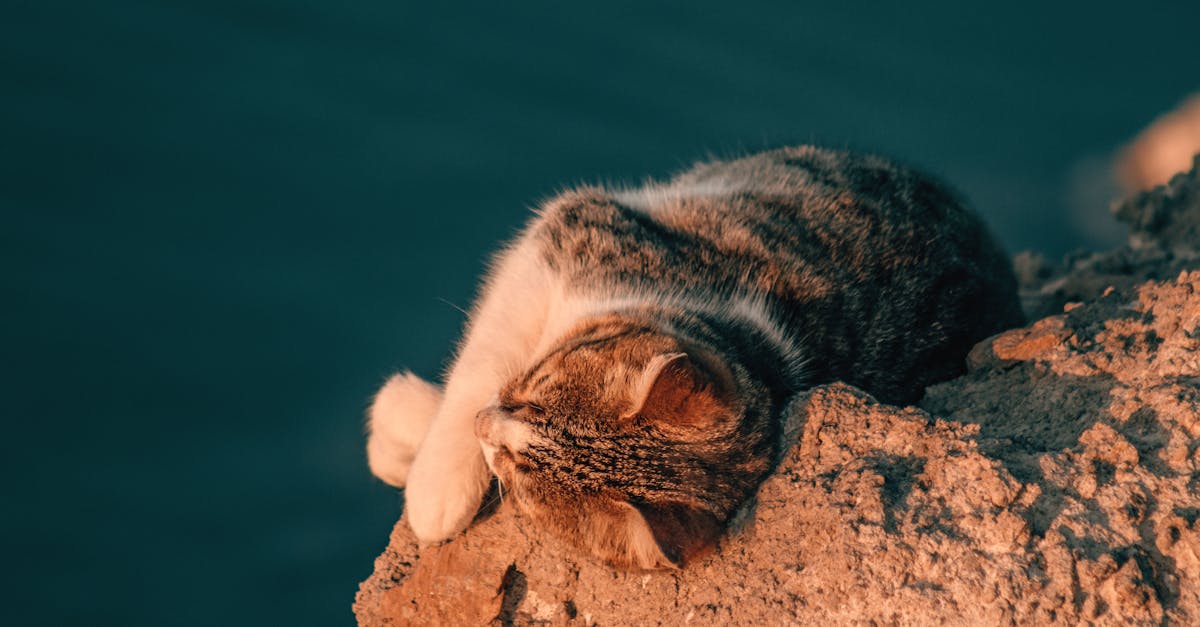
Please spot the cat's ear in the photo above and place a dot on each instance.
(680, 531)
(675, 391)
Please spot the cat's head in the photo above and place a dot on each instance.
(628, 442)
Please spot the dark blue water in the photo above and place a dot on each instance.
(225, 222)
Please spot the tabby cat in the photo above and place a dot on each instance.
(626, 369)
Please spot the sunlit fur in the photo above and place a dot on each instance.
(628, 366)
(622, 414)
(397, 422)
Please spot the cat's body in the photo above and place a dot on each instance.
(626, 369)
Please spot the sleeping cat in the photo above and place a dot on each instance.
(626, 369)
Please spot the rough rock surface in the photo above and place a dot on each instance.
(1058, 481)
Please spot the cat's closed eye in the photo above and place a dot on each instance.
(514, 407)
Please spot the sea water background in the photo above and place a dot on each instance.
(225, 222)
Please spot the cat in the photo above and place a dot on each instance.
(626, 370)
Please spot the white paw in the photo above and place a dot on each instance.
(398, 421)
(445, 488)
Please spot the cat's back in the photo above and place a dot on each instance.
(846, 200)
(791, 222)
(883, 270)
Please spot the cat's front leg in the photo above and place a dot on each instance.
(449, 476)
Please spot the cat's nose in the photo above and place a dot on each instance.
(484, 424)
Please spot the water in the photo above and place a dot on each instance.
(225, 222)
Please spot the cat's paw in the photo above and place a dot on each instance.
(445, 488)
(397, 423)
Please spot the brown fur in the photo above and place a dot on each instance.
(615, 436)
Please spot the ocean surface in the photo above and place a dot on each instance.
(225, 223)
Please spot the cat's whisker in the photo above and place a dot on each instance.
(460, 309)
(497, 498)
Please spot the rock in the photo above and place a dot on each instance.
(1164, 240)
(1058, 481)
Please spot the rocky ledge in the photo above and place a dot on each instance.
(1058, 481)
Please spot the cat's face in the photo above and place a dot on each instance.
(627, 442)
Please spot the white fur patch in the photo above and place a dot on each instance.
(449, 474)
(397, 422)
